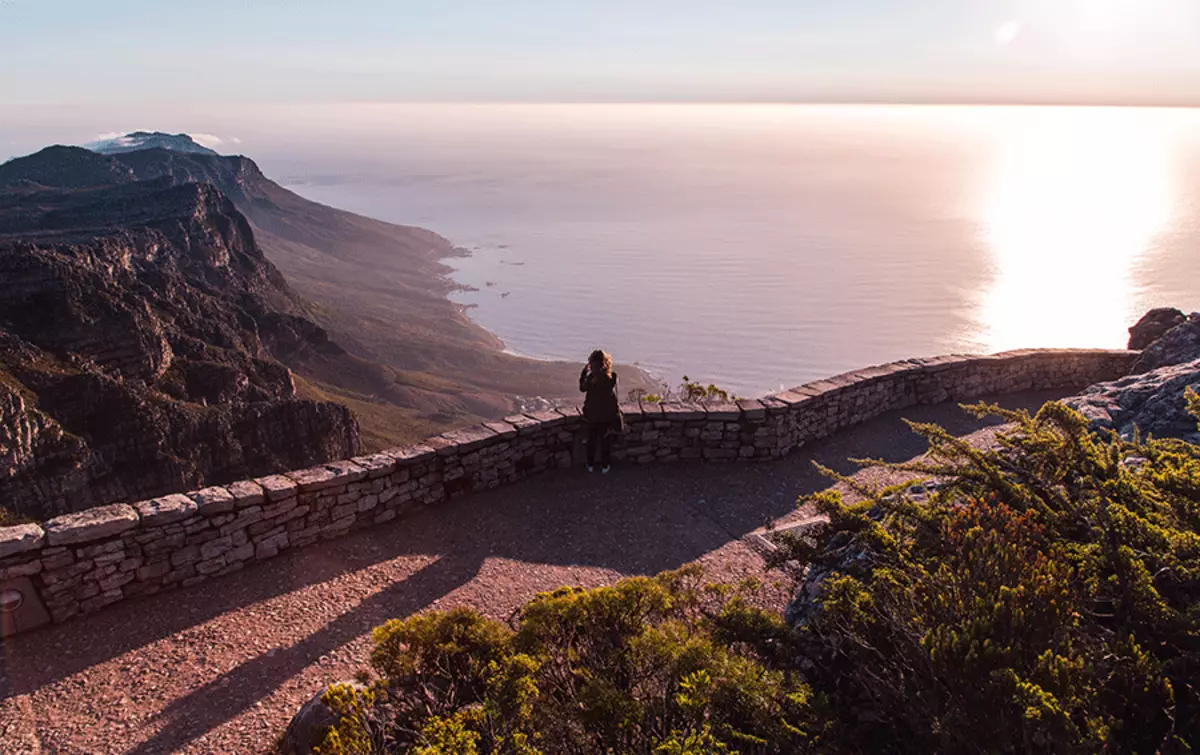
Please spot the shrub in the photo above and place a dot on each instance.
(1047, 598)
(649, 665)
(688, 391)
(358, 731)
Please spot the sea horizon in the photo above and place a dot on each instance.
(761, 246)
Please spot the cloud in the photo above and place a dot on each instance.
(212, 141)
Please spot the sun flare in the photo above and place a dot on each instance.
(1075, 200)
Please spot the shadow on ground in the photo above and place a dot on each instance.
(636, 520)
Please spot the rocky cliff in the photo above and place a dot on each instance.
(419, 365)
(140, 334)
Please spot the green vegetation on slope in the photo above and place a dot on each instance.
(1046, 598)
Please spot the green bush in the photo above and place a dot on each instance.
(650, 665)
(1044, 598)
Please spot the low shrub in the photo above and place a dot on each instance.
(659, 664)
(1045, 599)
(688, 390)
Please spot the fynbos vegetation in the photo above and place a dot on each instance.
(1044, 598)
(688, 390)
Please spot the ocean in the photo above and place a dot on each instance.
(761, 246)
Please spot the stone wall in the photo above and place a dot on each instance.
(78, 563)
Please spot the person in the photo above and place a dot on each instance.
(601, 408)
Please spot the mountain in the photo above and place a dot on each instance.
(64, 168)
(379, 290)
(147, 140)
(141, 338)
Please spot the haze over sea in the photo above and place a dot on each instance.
(760, 246)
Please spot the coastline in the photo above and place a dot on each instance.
(634, 374)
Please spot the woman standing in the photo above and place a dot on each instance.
(601, 408)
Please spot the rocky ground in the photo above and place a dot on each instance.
(222, 666)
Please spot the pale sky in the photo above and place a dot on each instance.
(66, 52)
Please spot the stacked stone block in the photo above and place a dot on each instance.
(81, 562)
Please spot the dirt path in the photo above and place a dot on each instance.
(222, 666)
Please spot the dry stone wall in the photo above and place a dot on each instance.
(81, 562)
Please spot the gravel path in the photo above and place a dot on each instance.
(222, 666)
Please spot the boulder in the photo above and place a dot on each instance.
(310, 724)
(1153, 325)
(1178, 345)
(1154, 402)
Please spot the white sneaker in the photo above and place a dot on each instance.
(605, 470)
(591, 468)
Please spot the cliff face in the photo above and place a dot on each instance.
(139, 331)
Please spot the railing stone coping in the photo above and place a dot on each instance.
(278, 492)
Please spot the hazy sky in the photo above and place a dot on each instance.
(77, 51)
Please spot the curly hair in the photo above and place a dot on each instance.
(600, 360)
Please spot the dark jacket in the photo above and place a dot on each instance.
(601, 403)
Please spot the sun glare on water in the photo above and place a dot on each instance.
(1075, 198)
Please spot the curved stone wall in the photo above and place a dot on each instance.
(81, 562)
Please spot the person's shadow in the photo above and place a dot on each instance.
(637, 520)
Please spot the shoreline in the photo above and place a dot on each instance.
(641, 376)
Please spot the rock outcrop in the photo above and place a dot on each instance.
(136, 330)
(1153, 402)
(1153, 325)
(1151, 399)
(1177, 345)
(308, 728)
